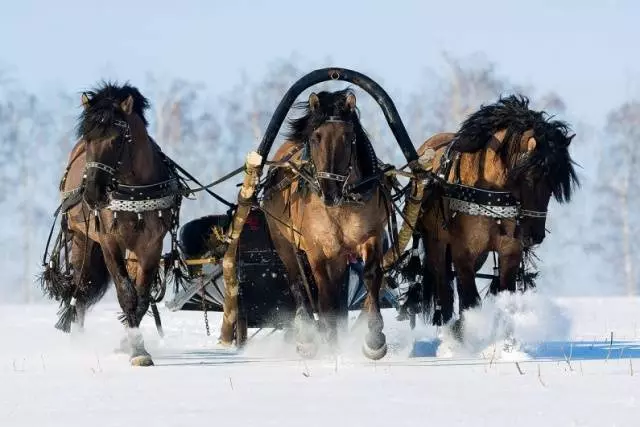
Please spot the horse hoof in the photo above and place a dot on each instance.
(143, 360)
(307, 350)
(224, 344)
(375, 346)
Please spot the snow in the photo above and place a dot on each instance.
(569, 372)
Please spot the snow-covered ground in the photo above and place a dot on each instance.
(569, 372)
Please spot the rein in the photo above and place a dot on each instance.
(349, 193)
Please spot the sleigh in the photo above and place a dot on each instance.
(265, 299)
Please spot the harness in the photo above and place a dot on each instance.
(309, 177)
(478, 201)
(134, 198)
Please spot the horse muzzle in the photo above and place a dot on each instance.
(533, 239)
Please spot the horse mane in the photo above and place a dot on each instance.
(333, 104)
(511, 113)
(550, 160)
(98, 120)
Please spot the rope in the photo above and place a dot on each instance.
(216, 182)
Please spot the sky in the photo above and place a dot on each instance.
(584, 50)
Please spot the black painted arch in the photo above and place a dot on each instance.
(334, 73)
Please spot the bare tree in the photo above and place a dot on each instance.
(618, 186)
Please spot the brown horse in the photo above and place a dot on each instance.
(120, 198)
(317, 210)
(497, 175)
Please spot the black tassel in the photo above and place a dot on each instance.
(140, 223)
(156, 318)
(174, 271)
(54, 283)
(114, 223)
(67, 315)
(96, 217)
(413, 268)
(494, 286)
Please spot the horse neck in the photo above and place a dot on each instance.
(357, 172)
(144, 163)
(483, 169)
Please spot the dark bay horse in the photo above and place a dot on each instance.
(120, 199)
(315, 210)
(498, 173)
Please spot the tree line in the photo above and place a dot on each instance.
(591, 248)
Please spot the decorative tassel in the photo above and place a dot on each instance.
(114, 223)
(68, 314)
(140, 222)
(157, 319)
(413, 268)
(96, 217)
(494, 286)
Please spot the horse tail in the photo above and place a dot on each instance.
(98, 275)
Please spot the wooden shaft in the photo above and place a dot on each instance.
(229, 269)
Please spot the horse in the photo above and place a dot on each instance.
(494, 179)
(120, 198)
(331, 208)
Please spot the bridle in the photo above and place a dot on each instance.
(343, 178)
(527, 213)
(122, 140)
(134, 198)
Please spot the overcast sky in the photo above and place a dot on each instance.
(587, 51)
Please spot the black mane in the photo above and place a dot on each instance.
(511, 113)
(333, 104)
(98, 120)
(550, 160)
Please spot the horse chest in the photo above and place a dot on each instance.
(337, 232)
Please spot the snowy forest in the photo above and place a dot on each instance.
(590, 248)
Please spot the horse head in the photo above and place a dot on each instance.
(541, 167)
(333, 141)
(530, 158)
(112, 123)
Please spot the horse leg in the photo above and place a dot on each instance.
(145, 274)
(80, 260)
(328, 276)
(303, 323)
(509, 257)
(128, 300)
(90, 281)
(375, 343)
(436, 281)
(147, 266)
(468, 294)
(98, 281)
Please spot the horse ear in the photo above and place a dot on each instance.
(351, 102)
(570, 138)
(127, 105)
(531, 144)
(85, 100)
(314, 102)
